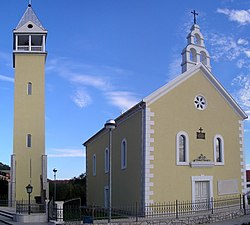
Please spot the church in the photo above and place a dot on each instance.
(184, 141)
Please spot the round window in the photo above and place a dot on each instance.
(30, 26)
(200, 102)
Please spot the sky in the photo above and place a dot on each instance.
(105, 56)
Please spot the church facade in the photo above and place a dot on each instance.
(185, 141)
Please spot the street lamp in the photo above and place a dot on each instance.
(29, 190)
(54, 170)
(110, 125)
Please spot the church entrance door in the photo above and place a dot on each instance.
(202, 194)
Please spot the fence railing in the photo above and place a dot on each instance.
(6, 203)
(22, 207)
(174, 209)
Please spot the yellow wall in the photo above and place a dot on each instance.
(176, 112)
(126, 186)
(29, 119)
(170, 114)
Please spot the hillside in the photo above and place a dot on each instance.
(4, 166)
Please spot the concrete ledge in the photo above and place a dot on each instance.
(32, 218)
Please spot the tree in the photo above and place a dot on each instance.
(69, 189)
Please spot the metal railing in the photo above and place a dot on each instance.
(29, 48)
(22, 207)
(174, 209)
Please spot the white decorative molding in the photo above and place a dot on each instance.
(12, 197)
(186, 163)
(222, 163)
(202, 178)
(44, 176)
(201, 164)
(242, 157)
(149, 157)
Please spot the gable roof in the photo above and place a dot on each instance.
(29, 16)
(184, 76)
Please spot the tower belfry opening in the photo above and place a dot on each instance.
(195, 52)
(29, 161)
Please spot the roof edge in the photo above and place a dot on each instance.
(184, 76)
(118, 120)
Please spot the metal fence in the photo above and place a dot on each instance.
(174, 209)
(22, 207)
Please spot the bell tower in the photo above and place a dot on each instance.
(195, 51)
(29, 162)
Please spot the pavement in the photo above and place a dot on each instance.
(237, 221)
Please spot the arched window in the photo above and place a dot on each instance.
(182, 148)
(124, 154)
(29, 88)
(106, 160)
(28, 141)
(218, 150)
(94, 165)
(203, 58)
(193, 55)
(197, 39)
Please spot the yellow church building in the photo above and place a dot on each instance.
(185, 141)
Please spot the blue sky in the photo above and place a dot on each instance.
(104, 56)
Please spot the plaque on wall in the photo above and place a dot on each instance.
(200, 134)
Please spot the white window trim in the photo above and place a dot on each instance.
(94, 164)
(106, 160)
(222, 150)
(202, 178)
(124, 165)
(187, 149)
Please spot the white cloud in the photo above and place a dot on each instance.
(81, 98)
(224, 47)
(240, 16)
(240, 63)
(174, 68)
(5, 78)
(122, 99)
(88, 80)
(242, 93)
(247, 52)
(101, 78)
(242, 41)
(61, 153)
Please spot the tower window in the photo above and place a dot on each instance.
(124, 154)
(197, 39)
(29, 88)
(94, 165)
(28, 141)
(193, 55)
(106, 160)
(203, 58)
(30, 26)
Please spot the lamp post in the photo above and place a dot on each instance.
(54, 170)
(29, 190)
(110, 125)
